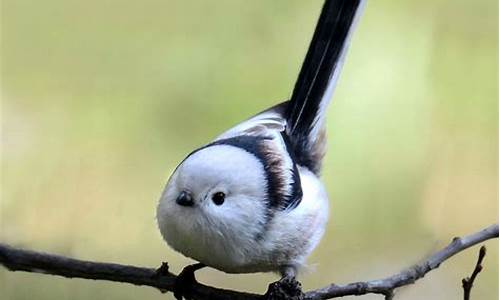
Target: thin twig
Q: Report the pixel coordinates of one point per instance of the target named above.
(30, 261)
(468, 282)
(408, 276)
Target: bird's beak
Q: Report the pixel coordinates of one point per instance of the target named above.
(185, 199)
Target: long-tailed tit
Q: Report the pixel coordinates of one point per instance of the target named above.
(251, 200)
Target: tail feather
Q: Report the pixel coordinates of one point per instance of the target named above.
(317, 79)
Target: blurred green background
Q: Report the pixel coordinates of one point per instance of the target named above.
(102, 99)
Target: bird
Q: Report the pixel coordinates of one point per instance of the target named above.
(251, 200)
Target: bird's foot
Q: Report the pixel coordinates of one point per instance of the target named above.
(286, 288)
(185, 279)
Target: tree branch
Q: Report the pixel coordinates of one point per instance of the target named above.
(30, 261)
(408, 276)
(468, 282)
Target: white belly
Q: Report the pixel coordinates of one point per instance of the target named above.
(290, 237)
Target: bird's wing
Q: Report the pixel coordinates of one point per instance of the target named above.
(268, 122)
(317, 79)
(264, 136)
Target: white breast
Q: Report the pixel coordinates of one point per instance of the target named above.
(228, 237)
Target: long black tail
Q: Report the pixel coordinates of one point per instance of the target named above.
(317, 78)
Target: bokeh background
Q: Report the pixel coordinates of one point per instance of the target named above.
(102, 99)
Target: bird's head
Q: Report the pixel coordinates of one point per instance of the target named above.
(217, 192)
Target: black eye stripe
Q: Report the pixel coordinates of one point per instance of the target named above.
(252, 144)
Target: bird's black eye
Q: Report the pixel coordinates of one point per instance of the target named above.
(218, 198)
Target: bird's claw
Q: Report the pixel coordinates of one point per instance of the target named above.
(184, 280)
(285, 288)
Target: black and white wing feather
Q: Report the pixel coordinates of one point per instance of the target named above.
(264, 136)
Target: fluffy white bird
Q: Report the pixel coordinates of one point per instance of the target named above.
(251, 200)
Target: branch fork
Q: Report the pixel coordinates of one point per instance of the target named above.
(15, 259)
